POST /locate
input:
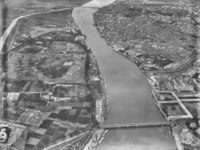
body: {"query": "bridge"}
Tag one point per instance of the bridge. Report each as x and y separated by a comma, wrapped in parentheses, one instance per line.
(135, 125)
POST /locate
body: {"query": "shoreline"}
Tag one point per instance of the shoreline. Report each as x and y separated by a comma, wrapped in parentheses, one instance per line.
(149, 74)
(98, 135)
(91, 144)
(100, 132)
(172, 132)
(146, 73)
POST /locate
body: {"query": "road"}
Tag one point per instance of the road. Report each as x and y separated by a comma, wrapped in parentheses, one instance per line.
(14, 22)
(179, 69)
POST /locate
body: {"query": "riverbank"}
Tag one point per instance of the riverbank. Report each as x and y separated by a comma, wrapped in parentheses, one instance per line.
(82, 109)
(127, 97)
(98, 134)
(130, 33)
(96, 139)
(145, 33)
(25, 7)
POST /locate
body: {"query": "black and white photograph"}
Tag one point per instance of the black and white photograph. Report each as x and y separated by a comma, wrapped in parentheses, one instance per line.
(99, 74)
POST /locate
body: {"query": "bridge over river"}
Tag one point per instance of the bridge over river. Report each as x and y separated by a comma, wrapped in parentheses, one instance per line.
(135, 125)
(128, 91)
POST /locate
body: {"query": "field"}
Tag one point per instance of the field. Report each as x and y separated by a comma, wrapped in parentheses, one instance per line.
(44, 47)
(22, 7)
(172, 109)
(47, 86)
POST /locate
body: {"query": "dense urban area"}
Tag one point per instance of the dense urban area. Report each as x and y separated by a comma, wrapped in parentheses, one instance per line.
(163, 40)
(53, 94)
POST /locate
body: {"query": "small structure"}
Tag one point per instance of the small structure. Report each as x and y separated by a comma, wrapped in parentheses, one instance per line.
(12, 136)
(180, 86)
(167, 102)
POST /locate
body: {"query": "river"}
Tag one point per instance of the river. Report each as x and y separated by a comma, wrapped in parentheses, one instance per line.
(129, 93)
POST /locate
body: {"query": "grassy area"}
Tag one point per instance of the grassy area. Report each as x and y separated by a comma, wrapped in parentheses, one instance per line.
(46, 42)
(172, 109)
(22, 7)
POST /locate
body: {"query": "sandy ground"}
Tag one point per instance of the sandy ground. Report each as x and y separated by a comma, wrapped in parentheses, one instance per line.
(98, 3)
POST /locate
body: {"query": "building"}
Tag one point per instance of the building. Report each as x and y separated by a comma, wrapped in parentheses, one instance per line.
(14, 136)
(180, 86)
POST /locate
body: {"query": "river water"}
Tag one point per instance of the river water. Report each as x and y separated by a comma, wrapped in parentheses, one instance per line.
(129, 93)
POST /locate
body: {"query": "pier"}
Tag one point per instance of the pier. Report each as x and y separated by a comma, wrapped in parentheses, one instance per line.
(135, 125)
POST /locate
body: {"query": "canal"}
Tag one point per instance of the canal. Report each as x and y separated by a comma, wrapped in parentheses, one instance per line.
(129, 93)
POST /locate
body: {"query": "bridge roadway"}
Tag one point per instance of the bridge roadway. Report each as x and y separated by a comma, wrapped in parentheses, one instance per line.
(135, 125)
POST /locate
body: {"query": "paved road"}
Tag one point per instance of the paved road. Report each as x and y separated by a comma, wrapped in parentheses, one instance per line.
(14, 22)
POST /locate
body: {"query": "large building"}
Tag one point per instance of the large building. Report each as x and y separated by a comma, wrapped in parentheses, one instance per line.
(12, 136)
